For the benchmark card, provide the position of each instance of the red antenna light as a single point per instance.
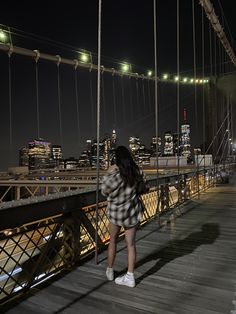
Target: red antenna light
(185, 117)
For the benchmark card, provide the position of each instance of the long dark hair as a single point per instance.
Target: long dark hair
(129, 171)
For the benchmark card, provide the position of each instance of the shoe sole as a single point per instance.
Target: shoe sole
(125, 284)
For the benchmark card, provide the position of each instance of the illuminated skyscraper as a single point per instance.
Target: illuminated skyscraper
(185, 137)
(168, 145)
(153, 146)
(39, 154)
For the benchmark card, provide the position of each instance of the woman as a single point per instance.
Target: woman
(124, 209)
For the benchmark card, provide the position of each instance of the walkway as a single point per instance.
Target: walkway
(186, 267)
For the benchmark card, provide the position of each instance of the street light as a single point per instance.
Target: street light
(84, 57)
(165, 76)
(125, 67)
(3, 36)
(149, 73)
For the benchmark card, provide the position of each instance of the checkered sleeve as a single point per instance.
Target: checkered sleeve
(107, 184)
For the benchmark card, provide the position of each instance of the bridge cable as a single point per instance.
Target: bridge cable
(137, 94)
(156, 105)
(178, 86)
(59, 97)
(194, 66)
(131, 99)
(10, 101)
(203, 96)
(220, 146)
(98, 124)
(37, 56)
(122, 100)
(149, 95)
(91, 96)
(215, 137)
(144, 98)
(77, 100)
(114, 100)
(223, 152)
(105, 124)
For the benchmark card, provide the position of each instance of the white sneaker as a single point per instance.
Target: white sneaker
(126, 280)
(110, 274)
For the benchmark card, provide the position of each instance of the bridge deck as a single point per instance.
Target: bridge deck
(187, 266)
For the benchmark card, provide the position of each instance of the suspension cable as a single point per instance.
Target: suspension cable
(98, 123)
(77, 101)
(131, 99)
(114, 101)
(144, 98)
(123, 100)
(10, 102)
(59, 97)
(178, 90)
(37, 91)
(203, 94)
(91, 96)
(156, 98)
(209, 10)
(194, 65)
(103, 101)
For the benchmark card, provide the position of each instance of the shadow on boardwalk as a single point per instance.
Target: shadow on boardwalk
(178, 248)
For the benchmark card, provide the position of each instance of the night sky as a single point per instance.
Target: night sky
(127, 35)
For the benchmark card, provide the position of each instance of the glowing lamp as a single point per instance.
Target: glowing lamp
(3, 36)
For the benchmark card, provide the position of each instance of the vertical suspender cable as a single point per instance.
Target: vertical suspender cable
(178, 59)
(228, 126)
(144, 99)
(59, 97)
(137, 94)
(98, 122)
(210, 39)
(156, 103)
(77, 101)
(123, 99)
(10, 103)
(131, 99)
(91, 96)
(37, 92)
(203, 94)
(149, 95)
(231, 118)
(114, 100)
(105, 124)
(194, 66)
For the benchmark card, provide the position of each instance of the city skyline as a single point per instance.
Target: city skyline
(127, 35)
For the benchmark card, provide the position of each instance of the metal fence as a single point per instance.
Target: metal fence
(41, 236)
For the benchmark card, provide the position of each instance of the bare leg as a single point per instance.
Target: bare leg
(130, 242)
(111, 253)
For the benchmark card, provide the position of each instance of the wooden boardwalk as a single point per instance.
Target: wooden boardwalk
(186, 267)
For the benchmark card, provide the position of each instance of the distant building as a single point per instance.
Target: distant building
(94, 155)
(168, 144)
(71, 163)
(153, 146)
(84, 159)
(134, 146)
(57, 155)
(176, 144)
(39, 154)
(185, 137)
(24, 157)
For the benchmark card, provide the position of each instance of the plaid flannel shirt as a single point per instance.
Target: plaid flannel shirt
(124, 207)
